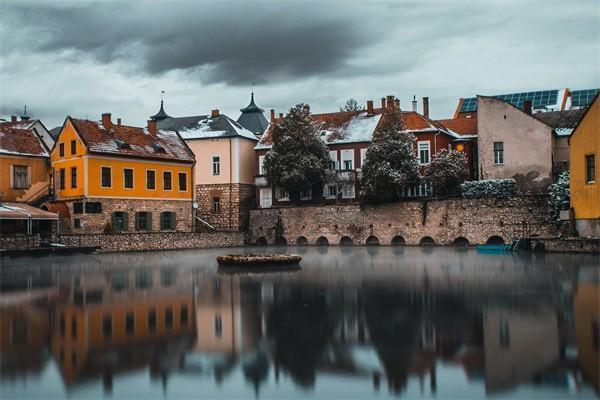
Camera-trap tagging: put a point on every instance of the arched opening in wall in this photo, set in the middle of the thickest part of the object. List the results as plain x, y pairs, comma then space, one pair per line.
372, 241
280, 241
495, 240
426, 241
302, 241
322, 241
346, 241
398, 241
539, 247
460, 242
261, 241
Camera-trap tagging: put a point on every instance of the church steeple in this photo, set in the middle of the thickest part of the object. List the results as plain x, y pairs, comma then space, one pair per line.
161, 114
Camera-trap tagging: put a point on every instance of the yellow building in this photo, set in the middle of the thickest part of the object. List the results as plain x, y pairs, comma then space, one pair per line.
584, 172
24, 161
121, 178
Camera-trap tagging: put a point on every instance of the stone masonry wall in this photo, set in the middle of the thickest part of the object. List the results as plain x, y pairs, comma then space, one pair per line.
95, 223
234, 210
18, 241
155, 240
443, 220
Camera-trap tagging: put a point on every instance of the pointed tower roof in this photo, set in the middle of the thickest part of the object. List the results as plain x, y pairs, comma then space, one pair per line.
252, 118
161, 114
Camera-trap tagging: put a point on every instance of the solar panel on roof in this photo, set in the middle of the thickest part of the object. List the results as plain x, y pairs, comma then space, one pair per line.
539, 99
582, 98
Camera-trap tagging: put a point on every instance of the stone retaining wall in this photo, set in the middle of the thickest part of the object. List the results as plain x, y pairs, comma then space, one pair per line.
567, 245
155, 240
18, 241
444, 221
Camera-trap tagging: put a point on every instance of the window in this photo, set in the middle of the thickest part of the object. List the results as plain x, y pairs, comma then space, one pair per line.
348, 192
73, 177
424, 152
282, 194
106, 177
20, 177
266, 197
168, 318
143, 279
61, 179
167, 277
306, 194
150, 180
333, 160
129, 324
128, 178
504, 334
152, 321
120, 281
363, 156
348, 159
61, 149
107, 327
120, 221
218, 326
182, 181
590, 168
216, 165
167, 221
261, 165
73, 147
330, 191
499, 152
216, 205
93, 207
77, 223
167, 180
78, 207
143, 221
183, 315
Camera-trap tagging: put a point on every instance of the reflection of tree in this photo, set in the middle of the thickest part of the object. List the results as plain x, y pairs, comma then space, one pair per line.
301, 326
256, 370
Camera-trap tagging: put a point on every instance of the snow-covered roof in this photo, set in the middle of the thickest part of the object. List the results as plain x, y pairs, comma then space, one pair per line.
19, 138
563, 131
359, 128
206, 127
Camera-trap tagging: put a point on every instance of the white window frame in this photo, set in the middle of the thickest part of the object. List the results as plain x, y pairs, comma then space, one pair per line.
326, 192
280, 194
102, 180
266, 197
187, 183
216, 164
347, 155
423, 145
497, 154
333, 157
132, 178
27, 183
163, 179
261, 165
363, 157
348, 192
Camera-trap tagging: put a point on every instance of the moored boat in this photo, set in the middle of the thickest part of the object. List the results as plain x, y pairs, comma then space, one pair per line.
259, 259
493, 248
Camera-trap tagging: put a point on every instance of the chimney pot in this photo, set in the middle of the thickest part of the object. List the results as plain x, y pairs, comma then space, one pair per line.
370, 107
106, 121
390, 101
426, 107
13, 118
280, 115
414, 104
527, 107
397, 103
272, 115
214, 113
383, 103
152, 127
118, 121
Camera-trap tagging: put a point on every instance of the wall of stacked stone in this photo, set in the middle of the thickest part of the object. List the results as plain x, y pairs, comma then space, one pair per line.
442, 220
155, 240
568, 245
19, 242
95, 223
234, 209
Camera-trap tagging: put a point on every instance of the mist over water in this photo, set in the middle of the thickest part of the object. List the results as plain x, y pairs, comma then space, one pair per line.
354, 322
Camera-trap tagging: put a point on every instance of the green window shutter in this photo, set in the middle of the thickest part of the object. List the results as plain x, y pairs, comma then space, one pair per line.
163, 221
149, 221
113, 221
137, 221
173, 220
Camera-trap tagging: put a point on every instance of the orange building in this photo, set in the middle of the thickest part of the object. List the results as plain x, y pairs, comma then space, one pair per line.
117, 178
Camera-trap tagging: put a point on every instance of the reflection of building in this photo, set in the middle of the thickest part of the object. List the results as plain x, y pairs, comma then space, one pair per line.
518, 345
587, 330
113, 322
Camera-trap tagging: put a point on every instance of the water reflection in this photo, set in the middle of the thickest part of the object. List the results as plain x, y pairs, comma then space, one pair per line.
393, 320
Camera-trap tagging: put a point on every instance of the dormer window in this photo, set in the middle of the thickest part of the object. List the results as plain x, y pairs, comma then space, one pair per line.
122, 144
158, 148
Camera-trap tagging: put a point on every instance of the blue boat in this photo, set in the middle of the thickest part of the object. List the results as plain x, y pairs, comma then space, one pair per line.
493, 248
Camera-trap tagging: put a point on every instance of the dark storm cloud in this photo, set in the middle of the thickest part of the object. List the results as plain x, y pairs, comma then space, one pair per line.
235, 43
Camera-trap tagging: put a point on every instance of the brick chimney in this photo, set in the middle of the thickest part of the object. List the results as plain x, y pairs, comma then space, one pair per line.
272, 115
214, 113
383, 103
370, 107
13, 118
390, 101
106, 121
397, 102
426, 107
152, 127
527, 108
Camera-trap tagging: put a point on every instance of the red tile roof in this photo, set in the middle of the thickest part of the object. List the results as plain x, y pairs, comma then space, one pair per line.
19, 138
131, 141
462, 126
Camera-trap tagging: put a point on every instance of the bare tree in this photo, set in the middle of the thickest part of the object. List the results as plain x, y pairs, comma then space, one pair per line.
351, 105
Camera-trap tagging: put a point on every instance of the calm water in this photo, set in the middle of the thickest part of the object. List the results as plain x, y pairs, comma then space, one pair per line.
352, 323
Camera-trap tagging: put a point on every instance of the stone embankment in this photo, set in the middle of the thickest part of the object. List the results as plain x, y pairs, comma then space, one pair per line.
441, 222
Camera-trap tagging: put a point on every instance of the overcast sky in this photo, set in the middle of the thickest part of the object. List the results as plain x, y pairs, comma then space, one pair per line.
82, 58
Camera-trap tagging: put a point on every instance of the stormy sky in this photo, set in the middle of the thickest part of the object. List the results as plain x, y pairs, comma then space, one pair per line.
82, 58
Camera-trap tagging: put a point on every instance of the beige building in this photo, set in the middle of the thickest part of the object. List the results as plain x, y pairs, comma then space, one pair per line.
224, 153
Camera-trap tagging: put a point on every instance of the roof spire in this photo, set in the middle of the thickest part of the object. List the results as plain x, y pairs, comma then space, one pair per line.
161, 114
25, 117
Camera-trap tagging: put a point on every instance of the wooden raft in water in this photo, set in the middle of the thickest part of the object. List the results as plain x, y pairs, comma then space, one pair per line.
259, 259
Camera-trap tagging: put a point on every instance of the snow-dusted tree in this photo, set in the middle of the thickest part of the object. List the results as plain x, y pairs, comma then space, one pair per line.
351, 105
559, 195
298, 159
390, 163
447, 170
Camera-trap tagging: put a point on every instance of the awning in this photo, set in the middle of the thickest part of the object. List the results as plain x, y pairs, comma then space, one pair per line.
24, 211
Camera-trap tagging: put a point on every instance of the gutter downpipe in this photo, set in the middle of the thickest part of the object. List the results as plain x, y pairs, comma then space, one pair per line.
230, 181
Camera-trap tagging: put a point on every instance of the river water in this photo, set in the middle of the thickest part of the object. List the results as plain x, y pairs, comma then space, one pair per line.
354, 322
